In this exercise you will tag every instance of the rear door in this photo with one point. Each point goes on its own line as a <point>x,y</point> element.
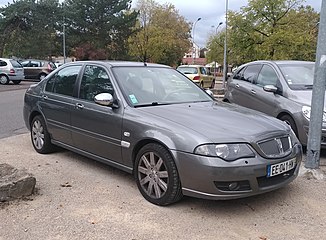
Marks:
<point>240,86</point>
<point>96,129</point>
<point>57,102</point>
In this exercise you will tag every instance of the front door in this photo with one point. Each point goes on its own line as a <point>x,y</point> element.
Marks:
<point>96,129</point>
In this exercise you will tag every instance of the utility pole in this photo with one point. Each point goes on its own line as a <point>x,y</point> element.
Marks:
<point>318,95</point>
<point>225,67</point>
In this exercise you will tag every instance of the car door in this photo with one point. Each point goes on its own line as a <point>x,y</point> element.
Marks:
<point>56,103</point>
<point>96,129</point>
<point>241,85</point>
<point>263,101</point>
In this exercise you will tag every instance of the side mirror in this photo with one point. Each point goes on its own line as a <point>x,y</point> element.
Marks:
<point>270,88</point>
<point>105,99</point>
<point>210,93</point>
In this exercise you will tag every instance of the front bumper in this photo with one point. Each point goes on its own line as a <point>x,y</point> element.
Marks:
<point>208,177</point>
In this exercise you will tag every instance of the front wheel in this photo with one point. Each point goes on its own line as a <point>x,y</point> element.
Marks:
<point>289,120</point>
<point>16,82</point>
<point>157,176</point>
<point>40,136</point>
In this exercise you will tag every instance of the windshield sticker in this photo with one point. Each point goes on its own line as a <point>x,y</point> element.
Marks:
<point>133,99</point>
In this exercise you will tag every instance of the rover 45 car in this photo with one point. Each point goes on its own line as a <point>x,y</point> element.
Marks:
<point>152,121</point>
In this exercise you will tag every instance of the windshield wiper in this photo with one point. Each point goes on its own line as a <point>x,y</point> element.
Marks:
<point>308,86</point>
<point>151,104</point>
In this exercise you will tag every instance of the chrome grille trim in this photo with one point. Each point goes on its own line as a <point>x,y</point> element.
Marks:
<point>276,147</point>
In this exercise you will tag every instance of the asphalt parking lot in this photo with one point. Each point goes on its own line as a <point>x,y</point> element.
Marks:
<point>78,198</point>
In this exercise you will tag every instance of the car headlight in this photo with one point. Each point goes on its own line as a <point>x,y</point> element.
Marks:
<point>228,152</point>
<point>306,110</point>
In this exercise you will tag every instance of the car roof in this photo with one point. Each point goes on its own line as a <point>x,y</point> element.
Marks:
<point>279,62</point>
<point>113,63</point>
<point>192,65</point>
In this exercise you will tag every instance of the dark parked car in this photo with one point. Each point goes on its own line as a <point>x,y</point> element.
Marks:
<point>144,119</point>
<point>282,89</point>
<point>37,69</point>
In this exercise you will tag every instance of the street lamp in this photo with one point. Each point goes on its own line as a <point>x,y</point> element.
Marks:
<point>225,44</point>
<point>218,27</point>
<point>193,39</point>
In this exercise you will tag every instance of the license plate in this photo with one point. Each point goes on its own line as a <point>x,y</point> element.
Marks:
<point>279,168</point>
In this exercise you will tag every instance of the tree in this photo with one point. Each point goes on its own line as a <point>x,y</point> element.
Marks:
<point>24,30</point>
<point>101,26</point>
<point>270,29</point>
<point>161,34</point>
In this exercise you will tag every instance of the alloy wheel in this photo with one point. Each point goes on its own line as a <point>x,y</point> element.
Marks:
<point>153,175</point>
<point>38,134</point>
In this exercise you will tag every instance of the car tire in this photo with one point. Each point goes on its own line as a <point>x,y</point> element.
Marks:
<point>16,82</point>
<point>289,120</point>
<point>157,176</point>
<point>4,79</point>
<point>40,136</point>
<point>213,84</point>
<point>42,76</point>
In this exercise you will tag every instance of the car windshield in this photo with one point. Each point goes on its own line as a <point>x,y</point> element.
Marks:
<point>298,76</point>
<point>150,86</point>
<point>188,70</point>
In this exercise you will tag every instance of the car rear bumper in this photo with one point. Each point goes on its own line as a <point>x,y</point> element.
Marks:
<point>210,178</point>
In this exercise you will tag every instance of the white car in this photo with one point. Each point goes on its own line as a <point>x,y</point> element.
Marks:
<point>10,70</point>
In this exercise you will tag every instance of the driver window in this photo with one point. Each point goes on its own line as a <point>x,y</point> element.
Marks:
<point>267,76</point>
<point>95,80</point>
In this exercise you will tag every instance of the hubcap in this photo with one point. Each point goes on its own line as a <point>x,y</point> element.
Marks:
<point>38,134</point>
<point>153,175</point>
<point>3,79</point>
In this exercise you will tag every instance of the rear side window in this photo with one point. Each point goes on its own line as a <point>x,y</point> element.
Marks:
<point>3,63</point>
<point>15,64</point>
<point>251,72</point>
<point>63,81</point>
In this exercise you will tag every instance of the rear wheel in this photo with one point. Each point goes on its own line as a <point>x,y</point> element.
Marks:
<point>40,136</point>
<point>213,84</point>
<point>16,82</point>
<point>42,76</point>
<point>157,176</point>
<point>4,79</point>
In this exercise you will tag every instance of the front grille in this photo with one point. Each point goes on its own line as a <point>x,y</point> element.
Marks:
<point>276,147</point>
<point>270,181</point>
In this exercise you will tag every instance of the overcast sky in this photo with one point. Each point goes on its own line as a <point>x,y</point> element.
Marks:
<point>211,12</point>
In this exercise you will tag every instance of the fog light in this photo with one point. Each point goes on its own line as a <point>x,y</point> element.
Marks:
<point>234,186</point>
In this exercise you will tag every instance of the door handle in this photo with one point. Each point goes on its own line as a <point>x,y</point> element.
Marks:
<point>237,85</point>
<point>79,106</point>
<point>44,97</point>
<point>253,92</point>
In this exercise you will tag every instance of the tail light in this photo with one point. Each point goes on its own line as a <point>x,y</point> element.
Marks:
<point>49,67</point>
<point>196,78</point>
<point>12,71</point>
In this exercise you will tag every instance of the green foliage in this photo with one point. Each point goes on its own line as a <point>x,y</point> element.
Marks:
<point>104,25</point>
<point>269,29</point>
<point>34,28</point>
<point>162,35</point>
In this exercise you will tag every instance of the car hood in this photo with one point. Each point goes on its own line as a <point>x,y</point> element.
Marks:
<point>219,121</point>
<point>304,97</point>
